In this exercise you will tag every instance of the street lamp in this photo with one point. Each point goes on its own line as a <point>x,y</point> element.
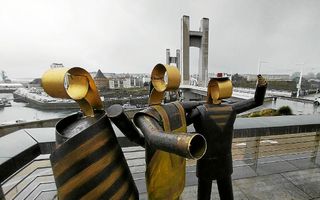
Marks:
<point>300,80</point>
<point>260,64</point>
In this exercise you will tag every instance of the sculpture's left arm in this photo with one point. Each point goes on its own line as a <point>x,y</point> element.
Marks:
<point>258,99</point>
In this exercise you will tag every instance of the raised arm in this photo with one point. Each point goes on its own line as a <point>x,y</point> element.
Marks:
<point>258,99</point>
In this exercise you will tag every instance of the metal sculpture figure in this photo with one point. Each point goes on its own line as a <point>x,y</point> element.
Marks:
<point>164,131</point>
<point>214,120</point>
<point>170,118</point>
<point>88,162</point>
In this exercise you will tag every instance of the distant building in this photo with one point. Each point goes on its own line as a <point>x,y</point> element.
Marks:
<point>101,81</point>
<point>314,83</point>
<point>125,82</point>
<point>4,78</point>
<point>56,65</point>
<point>112,84</point>
<point>35,83</point>
<point>121,80</point>
<point>146,79</point>
<point>116,83</point>
<point>269,77</point>
<point>107,75</point>
<point>129,81</point>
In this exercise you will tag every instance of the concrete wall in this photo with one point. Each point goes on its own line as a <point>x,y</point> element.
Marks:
<point>6,129</point>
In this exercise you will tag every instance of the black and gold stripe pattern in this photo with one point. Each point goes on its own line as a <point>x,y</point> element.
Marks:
<point>216,125</point>
<point>91,165</point>
<point>219,114</point>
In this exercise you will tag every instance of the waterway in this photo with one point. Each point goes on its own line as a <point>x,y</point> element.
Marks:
<point>298,108</point>
<point>21,111</point>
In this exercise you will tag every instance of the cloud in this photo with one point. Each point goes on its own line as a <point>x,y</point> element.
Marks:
<point>131,36</point>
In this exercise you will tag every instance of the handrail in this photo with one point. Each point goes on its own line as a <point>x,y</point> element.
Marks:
<point>276,125</point>
<point>244,128</point>
<point>31,182</point>
<point>7,129</point>
<point>250,127</point>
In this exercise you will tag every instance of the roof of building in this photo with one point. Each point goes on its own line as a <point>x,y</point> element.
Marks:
<point>99,74</point>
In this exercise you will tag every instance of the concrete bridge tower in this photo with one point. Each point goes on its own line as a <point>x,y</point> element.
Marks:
<point>170,59</point>
<point>198,39</point>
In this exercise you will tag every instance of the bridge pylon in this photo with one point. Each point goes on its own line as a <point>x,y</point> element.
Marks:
<point>173,59</point>
<point>199,39</point>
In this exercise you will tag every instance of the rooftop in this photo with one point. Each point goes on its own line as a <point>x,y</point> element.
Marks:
<point>99,74</point>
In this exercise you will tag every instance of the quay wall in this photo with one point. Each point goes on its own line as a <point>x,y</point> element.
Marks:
<point>73,105</point>
<point>7,129</point>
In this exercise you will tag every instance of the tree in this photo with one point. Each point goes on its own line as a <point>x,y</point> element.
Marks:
<point>236,78</point>
<point>310,75</point>
<point>146,84</point>
<point>318,75</point>
<point>285,110</point>
<point>295,75</point>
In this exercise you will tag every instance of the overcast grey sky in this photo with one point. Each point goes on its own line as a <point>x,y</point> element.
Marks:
<point>131,36</point>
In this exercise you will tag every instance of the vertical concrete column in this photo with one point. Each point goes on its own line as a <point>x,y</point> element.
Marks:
<point>175,59</point>
<point>169,60</point>
<point>316,147</point>
<point>167,56</point>
<point>185,44</point>
<point>178,59</point>
<point>204,52</point>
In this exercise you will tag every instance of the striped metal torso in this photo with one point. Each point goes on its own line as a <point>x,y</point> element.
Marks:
<point>215,123</point>
<point>88,162</point>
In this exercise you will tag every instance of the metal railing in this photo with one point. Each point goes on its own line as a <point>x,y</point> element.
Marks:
<point>30,181</point>
<point>279,148</point>
<point>254,146</point>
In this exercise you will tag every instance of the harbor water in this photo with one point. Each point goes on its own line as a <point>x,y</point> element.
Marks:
<point>298,108</point>
<point>21,111</point>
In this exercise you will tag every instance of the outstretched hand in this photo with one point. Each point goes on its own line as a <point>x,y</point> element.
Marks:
<point>261,81</point>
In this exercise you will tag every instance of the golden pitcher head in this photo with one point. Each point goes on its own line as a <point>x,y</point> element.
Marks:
<point>218,89</point>
<point>73,83</point>
<point>163,78</point>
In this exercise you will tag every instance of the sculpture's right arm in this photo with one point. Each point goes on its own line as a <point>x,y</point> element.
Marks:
<point>258,99</point>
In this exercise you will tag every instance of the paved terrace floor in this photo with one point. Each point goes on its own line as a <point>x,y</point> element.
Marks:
<point>276,177</point>
<point>301,184</point>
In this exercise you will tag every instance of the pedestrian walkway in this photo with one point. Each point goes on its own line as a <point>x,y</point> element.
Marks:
<point>302,184</point>
<point>295,185</point>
